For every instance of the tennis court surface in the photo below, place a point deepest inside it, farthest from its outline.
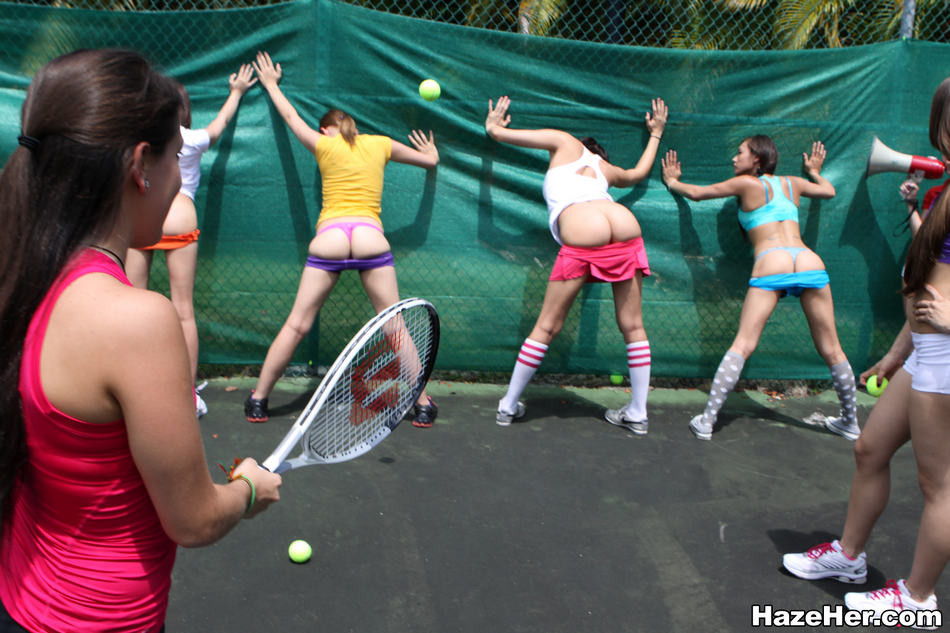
(558, 523)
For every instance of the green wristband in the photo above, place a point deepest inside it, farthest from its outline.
(250, 503)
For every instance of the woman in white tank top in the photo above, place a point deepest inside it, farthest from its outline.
(600, 241)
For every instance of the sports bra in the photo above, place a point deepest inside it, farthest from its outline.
(775, 210)
(563, 186)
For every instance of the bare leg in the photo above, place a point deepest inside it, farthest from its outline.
(138, 263)
(558, 298)
(182, 264)
(930, 435)
(315, 287)
(629, 314)
(886, 430)
(756, 310)
(628, 309)
(382, 288)
(819, 310)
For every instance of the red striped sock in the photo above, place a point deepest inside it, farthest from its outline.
(529, 359)
(638, 364)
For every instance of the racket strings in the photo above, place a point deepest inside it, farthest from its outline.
(377, 387)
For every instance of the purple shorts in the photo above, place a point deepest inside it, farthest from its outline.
(337, 265)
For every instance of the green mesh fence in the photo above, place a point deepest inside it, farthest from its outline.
(696, 24)
(472, 236)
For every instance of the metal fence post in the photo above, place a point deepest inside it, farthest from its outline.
(907, 19)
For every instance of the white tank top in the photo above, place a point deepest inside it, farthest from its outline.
(563, 186)
(194, 144)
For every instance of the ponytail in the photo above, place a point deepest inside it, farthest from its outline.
(344, 122)
(61, 190)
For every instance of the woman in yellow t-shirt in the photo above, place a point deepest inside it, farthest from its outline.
(349, 231)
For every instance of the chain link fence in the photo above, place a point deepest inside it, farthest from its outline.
(686, 24)
(486, 257)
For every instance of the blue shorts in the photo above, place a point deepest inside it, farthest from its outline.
(792, 283)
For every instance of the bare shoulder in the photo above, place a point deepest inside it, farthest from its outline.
(107, 312)
(102, 334)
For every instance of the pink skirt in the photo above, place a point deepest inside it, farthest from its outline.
(617, 261)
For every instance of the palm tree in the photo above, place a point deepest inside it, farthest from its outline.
(536, 17)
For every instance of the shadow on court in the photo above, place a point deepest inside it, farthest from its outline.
(558, 523)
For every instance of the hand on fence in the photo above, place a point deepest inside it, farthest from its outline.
(267, 71)
(657, 121)
(243, 79)
(424, 144)
(497, 115)
(672, 170)
(814, 162)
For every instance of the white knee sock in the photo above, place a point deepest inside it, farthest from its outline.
(529, 359)
(638, 364)
(730, 368)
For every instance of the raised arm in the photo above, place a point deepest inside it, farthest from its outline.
(672, 171)
(269, 75)
(655, 122)
(423, 152)
(239, 83)
(908, 192)
(496, 126)
(818, 186)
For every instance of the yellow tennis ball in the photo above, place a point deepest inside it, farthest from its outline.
(299, 551)
(430, 90)
(616, 379)
(874, 388)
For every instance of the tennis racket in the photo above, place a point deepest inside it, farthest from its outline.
(367, 391)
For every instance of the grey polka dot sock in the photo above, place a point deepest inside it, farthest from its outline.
(723, 383)
(843, 378)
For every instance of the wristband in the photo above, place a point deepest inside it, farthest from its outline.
(250, 503)
(655, 136)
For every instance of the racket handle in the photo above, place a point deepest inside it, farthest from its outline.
(283, 450)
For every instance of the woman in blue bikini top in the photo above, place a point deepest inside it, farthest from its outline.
(768, 211)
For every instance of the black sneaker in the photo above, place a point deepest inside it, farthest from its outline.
(423, 415)
(255, 410)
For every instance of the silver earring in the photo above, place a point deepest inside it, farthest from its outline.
(146, 184)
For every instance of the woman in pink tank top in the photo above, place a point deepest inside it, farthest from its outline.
(102, 471)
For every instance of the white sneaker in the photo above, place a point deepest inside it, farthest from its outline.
(837, 425)
(201, 408)
(702, 430)
(827, 560)
(502, 418)
(618, 417)
(893, 597)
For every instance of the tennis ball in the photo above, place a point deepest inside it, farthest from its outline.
(299, 551)
(874, 388)
(616, 379)
(430, 90)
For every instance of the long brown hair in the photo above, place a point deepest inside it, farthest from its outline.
(343, 121)
(763, 148)
(185, 112)
(60, 190)
(928, 242)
